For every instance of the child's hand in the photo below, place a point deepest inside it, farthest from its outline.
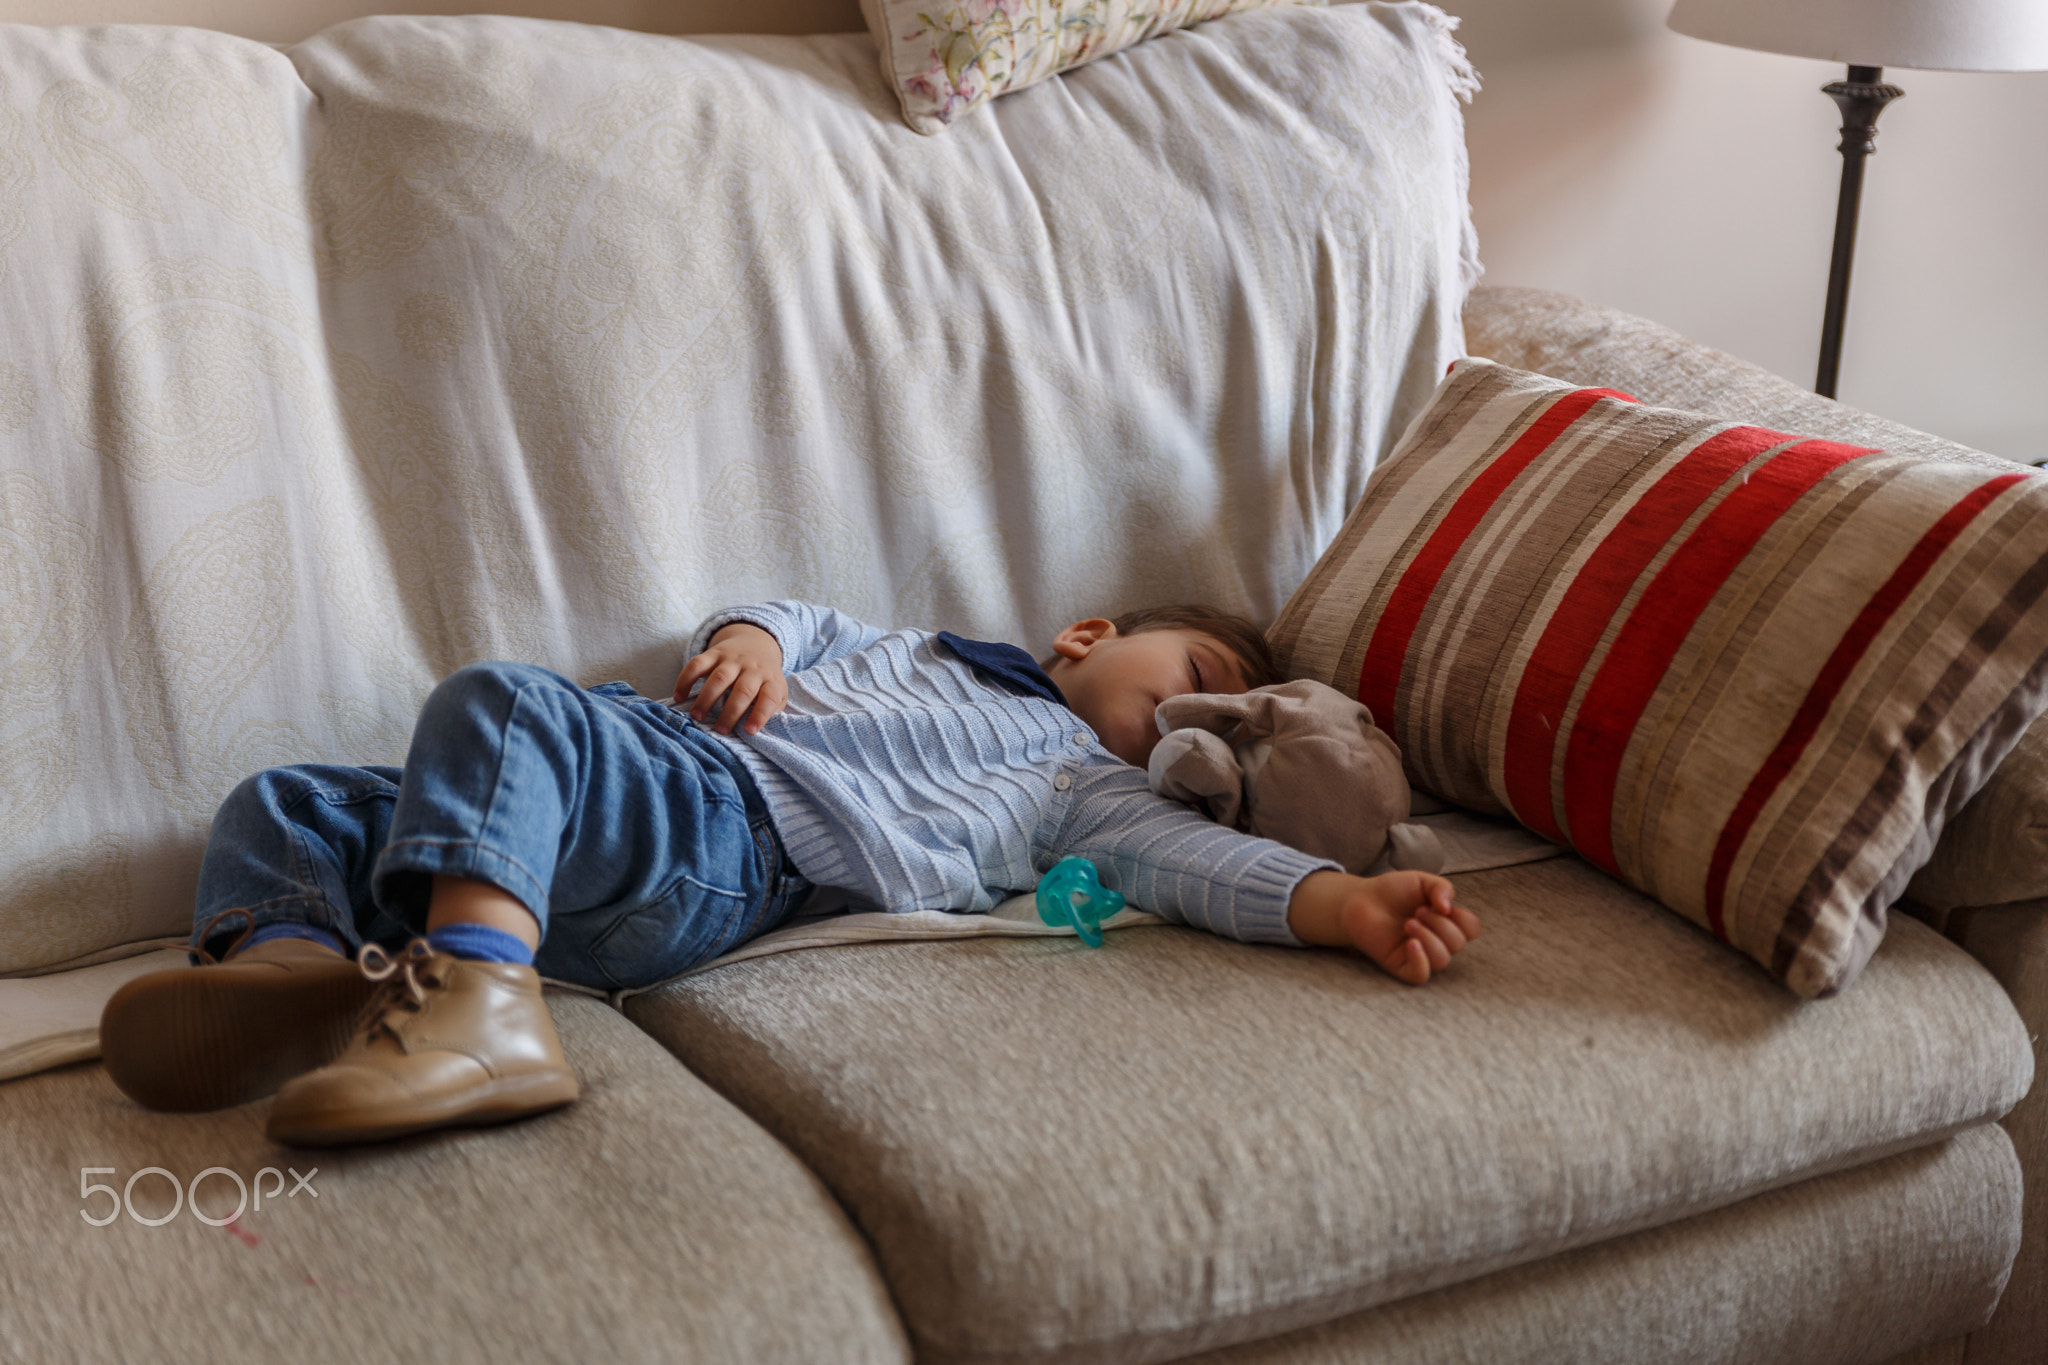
(1404, 921)
(742, 665)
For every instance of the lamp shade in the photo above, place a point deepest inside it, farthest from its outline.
(1939, 35)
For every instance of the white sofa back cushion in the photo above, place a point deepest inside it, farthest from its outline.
(327, 370)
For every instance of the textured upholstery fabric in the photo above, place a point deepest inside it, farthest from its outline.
(328, 370)
(1588, 344)
(1840, 1270)
(946, 58)
(1556, 334)
(648, 1222)
(1949, 1351)
(1749, 673)
(1995, 851)
(1018, 1130)
(2012, 942)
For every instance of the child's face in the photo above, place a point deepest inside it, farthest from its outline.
(1115, 682)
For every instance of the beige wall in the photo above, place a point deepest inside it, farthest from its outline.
(1696, 184)
(1687, 182)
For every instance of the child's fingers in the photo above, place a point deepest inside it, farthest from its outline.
(1418, 932)
(738, 701)
(694, 669)
(709, 677)
(1445, 928)
(1413, 967)
(1468, 923)
(715, 684)
(771, 700)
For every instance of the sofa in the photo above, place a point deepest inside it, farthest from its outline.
(324, 370)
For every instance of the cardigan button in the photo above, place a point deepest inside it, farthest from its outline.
(1062, 782)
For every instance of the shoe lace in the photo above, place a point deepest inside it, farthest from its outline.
(404, 980)
(206, 932)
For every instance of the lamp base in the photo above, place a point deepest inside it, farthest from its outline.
(1862, 98)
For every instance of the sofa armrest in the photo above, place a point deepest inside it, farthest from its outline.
(2012, 943)
(1994, 851)
(1568, 338)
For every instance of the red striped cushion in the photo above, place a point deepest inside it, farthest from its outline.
(1748, 673)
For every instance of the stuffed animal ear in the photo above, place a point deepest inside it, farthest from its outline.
(1318, 705)
(1197, 768)
(1216, 712)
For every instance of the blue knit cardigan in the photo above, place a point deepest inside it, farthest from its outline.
(905, 779)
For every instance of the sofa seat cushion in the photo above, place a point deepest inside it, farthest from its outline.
(649, 1221)
(1177, 1143)
(1844, 1269)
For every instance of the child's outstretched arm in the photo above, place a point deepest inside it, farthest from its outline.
(1180, 865)
(1404, 921)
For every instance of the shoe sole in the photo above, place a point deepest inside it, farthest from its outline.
(189, 1041)
(501, 1101)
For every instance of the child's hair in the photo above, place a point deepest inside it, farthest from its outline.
(1233, 632)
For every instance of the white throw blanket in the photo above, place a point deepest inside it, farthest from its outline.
(332, 368)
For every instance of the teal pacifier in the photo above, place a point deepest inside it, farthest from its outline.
(1072, 895)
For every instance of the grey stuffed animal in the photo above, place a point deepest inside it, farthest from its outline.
(1300, 763)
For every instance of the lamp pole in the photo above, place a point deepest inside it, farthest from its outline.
(1862, 98)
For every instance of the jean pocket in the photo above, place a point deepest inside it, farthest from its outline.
(689, 924)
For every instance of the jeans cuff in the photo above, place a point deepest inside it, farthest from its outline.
(311, 911)
(458, 858)
(277, 930)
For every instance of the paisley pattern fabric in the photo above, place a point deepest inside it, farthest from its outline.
(327, 370)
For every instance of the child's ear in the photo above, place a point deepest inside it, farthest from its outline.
(1076, 640)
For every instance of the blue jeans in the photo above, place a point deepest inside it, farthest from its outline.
(635, 837)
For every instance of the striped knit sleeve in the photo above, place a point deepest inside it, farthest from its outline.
(1173, 862)
(809, 635)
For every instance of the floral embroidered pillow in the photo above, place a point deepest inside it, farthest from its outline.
(945, 57)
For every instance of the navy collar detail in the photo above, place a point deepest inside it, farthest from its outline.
(1006, 666)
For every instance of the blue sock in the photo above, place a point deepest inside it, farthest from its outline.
(287, 929)
(480, 943)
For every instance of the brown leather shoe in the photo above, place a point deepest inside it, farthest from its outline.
(225, 1033)
(449, 1041)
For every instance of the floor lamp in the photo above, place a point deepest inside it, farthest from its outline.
(1869, 35)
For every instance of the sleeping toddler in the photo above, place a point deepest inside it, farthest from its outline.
(805, 761)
